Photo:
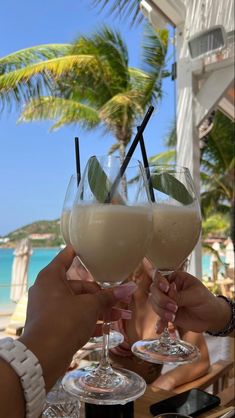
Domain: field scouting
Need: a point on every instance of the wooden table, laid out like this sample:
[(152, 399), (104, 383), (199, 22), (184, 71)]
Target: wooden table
[(142, 404)]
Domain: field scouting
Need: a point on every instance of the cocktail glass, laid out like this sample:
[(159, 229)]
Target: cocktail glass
[(110, 230), (77, 270), (176, 229)]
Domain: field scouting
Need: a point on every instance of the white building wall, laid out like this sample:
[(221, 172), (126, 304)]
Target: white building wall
[(200, 15)]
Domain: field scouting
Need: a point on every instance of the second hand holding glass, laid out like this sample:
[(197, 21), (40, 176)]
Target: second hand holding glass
[(110, 230), (176, 229)]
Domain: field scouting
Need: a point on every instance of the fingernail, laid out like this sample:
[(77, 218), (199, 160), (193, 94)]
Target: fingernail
[(172, 307), (124, 290), (169, 316), (164, 286)]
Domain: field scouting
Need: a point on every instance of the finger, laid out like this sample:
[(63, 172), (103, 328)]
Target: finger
[(119, 313), (55, 270), (160, 325), (82, 287), (161, 282), (161, 311), (64, 259), (161, 299), (172, 293), (108, 297)]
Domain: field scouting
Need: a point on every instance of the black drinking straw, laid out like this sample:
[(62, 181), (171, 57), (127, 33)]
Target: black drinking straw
[(77, 155), (146, 166), (130, 153)]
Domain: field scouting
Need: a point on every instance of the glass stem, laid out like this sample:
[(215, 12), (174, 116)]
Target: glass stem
[(104, 360), (165, 336)]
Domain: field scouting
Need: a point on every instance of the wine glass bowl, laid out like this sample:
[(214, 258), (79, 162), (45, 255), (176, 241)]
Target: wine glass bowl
[(176, 230), (67, 207), (110, 230)]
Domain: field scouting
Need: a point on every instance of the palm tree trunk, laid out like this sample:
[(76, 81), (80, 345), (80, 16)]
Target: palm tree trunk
[(122, 153)]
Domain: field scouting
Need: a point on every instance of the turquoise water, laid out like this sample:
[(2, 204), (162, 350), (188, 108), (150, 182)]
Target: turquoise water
[(39, 259)]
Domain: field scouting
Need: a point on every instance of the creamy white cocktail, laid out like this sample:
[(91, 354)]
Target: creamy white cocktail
[(64, 225), (110, 240), (176, 230)]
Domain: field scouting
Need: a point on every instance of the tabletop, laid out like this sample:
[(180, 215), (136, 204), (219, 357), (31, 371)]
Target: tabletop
[(142, 404)]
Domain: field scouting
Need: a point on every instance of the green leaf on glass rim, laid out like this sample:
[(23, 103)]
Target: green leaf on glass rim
[(99, 183), (168, 184), (98, 180)]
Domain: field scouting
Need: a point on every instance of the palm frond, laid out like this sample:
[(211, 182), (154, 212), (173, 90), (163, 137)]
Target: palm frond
[(146, 84), (154, 47), (117, 103), (114, 148), (32, 55), (165, 157), (122, 9), (25, 83), (110, 50), (63, 111)]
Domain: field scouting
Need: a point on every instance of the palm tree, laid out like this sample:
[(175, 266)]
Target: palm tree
[(88, 82), (125, 8), (218, 170), (217, 167)]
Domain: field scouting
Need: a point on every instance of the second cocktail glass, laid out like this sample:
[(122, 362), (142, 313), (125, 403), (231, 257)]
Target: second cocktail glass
[(176, 229), (110, 230)]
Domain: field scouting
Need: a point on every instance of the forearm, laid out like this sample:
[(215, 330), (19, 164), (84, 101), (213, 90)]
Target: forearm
[(54, 361), (11, 393), (181, 375)]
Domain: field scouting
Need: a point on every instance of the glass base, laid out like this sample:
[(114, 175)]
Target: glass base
[(96, 343), (91, 386), (60, 403), (157, 351)]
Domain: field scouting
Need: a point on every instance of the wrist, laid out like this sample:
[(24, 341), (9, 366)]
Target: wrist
[(11, 398), (44, 345), (225, 319), (30, 376)]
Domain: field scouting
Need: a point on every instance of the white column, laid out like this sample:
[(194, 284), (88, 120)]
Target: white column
[(188, 152)]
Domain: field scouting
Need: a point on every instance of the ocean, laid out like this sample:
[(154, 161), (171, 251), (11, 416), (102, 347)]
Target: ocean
[(38, 260)]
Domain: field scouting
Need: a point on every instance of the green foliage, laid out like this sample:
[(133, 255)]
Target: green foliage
[(216, 224), (126, 9), (218, 167), (40, 227)]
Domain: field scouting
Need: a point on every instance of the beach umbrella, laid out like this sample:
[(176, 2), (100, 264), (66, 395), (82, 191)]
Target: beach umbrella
[(229, 254), (19, 278)]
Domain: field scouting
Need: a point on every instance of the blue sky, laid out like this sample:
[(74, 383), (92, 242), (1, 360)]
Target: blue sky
[(35, 164)]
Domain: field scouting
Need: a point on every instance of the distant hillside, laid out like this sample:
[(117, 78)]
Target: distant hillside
[(41, 234)]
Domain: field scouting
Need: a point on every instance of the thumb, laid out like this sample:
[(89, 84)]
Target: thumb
[(172, 293), (109, 297)]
